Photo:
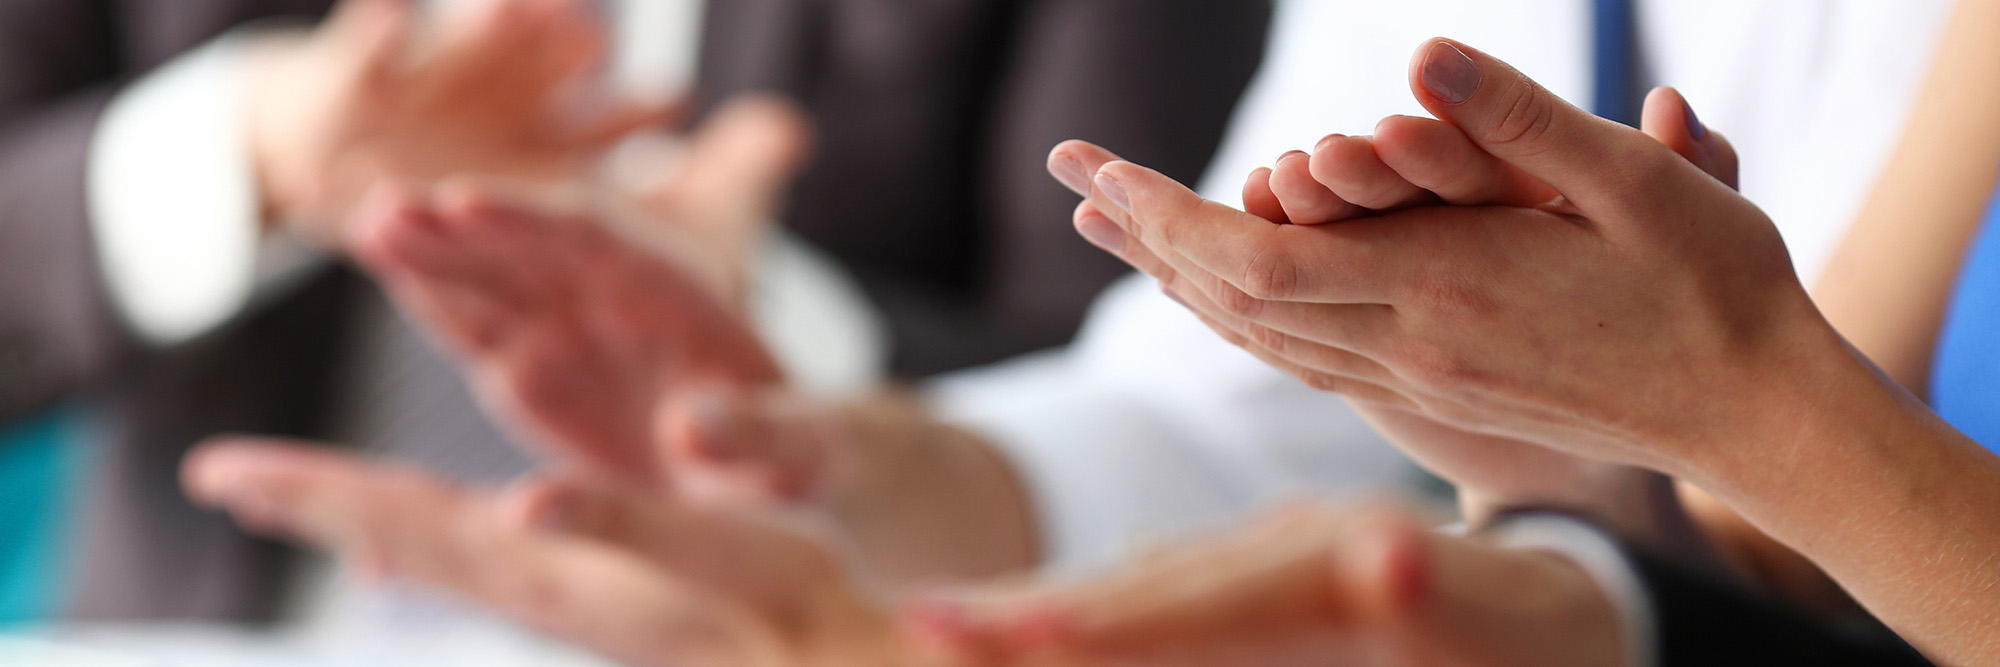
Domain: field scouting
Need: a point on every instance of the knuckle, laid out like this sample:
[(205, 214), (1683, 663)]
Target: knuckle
[(1529, 117), (1324, 382), (1445, 371), (1271, 273), (1237, 302), (1270, 339)]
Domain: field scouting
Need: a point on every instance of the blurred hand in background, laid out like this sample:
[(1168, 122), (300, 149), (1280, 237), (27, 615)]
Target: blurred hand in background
[(580, 311), (382, 92), (623, 571)]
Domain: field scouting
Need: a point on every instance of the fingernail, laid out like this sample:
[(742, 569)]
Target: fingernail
[(1103, 233), (1176, 296), (1695, 128), (939, 620), (552, 513), (1450, 74), (1114, 191), (711, 420), (1070, 173), (1328, 141)]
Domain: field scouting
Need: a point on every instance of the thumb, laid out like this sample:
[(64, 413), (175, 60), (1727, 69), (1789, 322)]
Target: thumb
[(1592, 161), (739, 162), (1671, 120), (770, 444), (378, 32)]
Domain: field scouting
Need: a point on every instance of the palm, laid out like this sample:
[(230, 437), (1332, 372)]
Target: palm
[(569, 329), (487, 90)]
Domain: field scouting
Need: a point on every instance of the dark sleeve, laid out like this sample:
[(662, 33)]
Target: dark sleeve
[(1706, 621), (57, 62), (935, 121), (1153, 81)]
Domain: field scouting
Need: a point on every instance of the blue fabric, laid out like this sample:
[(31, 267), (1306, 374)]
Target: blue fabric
[(41, 460), (1615, 51), (1965, 380)]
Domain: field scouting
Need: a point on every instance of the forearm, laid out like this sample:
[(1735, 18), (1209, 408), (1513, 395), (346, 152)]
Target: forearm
[(927, 501), (1890, 279), (1897, 507)]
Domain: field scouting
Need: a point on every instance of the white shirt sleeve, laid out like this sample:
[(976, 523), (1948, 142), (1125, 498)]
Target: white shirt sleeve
[(816, 320), (1150, 426), (1601, 558), (174, 202)]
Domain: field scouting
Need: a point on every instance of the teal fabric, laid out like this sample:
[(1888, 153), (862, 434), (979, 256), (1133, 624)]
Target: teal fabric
[(41, 463)]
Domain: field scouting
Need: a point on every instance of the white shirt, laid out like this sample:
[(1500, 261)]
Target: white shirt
[(176, 211)]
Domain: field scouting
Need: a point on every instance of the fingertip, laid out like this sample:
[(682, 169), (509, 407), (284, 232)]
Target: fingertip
[(1069, 171), (1388, 559), (538, 503), (1260, 200), (1100, 230)]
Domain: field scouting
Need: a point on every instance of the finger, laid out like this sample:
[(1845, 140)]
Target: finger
[(1305, 200), (1283, 576), (424, 529), (774, 443), (1439, 158), (1670, 119), (1357, 387), (1592, 161), (1327, 264), (1260, 201), (740, 162), (614, 125), (728, 549), (311, 493), (1351, 169), (456, 291)]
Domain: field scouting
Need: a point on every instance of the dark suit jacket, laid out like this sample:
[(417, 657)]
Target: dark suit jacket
[(1706, 621), (935, 116)]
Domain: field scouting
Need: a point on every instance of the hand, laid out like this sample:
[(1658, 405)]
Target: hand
[(923, 501), (1412, 162), (492, 88), (628, 573), (1305, 587), (1605, 325), (576, 334)]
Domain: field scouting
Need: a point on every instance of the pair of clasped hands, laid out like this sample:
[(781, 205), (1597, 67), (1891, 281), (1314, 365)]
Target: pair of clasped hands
[(1532, 301)]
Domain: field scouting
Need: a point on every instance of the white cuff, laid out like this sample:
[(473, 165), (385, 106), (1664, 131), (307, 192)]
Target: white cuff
[(815, 319), (1106, 475), (1601, 558), (173, 198)]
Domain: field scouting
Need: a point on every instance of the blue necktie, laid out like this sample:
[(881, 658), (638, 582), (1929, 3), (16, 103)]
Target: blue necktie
[(1615, 52)]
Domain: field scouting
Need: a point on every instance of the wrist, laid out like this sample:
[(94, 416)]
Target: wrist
[(274, 154), (1637, 504), (927, 500)]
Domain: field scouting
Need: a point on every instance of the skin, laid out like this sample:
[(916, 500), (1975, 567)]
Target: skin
[(1416, 162), (1659, 307), (381, 92), (1889, 281), (1306, 586), (655, 579), (625, 361), (633, 574), (1888, 284)]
